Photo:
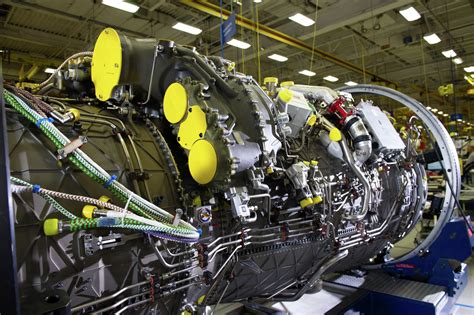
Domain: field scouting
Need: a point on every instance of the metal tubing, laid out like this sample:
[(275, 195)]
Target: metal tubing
[(367, 191)]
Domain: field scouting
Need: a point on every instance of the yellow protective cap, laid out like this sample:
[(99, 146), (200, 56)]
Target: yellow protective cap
[(335, 135), (201, 299), (270, 80), (306, 202), (51, 227), (317, 199), (75, 113), (306, 163), (314, 162), (231, 66), (193, 127), (106, 63), (312, 120), (88, 211), (104, 198), (270, 170), (175, 102), (287, 83), (202, 161), (285, 95)]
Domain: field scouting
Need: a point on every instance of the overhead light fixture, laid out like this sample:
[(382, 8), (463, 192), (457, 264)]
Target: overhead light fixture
[(238, 43), (257, 1), (458, 60), (459, 120), (49, 70), (446, 115), (434, 110), (432, 39), (350, 83), (277, 57), (469, 69), (187, 28), (121, 5), (410, 14), (449, 53), (301, 19), (307, 73), (330, 78), (440, 112)]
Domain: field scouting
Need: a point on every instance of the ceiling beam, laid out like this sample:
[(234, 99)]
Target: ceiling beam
[(214, 10)]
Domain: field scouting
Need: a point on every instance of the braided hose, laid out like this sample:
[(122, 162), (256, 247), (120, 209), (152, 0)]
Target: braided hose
[(80, 54), (89, 167)]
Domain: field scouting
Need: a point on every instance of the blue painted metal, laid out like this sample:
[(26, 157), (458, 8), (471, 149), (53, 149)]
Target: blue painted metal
[(439, 264), (228, 28), (374, 303)]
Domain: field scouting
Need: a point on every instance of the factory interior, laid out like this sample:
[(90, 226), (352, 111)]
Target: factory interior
[(202, 157)]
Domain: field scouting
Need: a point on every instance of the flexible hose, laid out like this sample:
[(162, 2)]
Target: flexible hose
[(89, 167), (79, 54)]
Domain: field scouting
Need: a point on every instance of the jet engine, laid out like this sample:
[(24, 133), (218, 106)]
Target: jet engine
[(184, 184)]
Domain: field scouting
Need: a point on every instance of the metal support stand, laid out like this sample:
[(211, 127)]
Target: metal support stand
[(428, 283)]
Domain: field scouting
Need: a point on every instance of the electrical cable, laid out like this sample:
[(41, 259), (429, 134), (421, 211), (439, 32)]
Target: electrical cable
[(90, 168), (80, 54)]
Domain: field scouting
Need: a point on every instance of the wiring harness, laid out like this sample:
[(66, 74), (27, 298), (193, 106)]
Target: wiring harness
[(158, 221)]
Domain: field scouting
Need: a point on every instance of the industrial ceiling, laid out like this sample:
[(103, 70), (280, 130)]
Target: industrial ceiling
[(361, 41)]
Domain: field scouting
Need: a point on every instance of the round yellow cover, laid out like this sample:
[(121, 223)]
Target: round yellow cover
[(202, 161), (193, 127), (270, 80), (88, 211), (51, 227), (285, 95), (335, 135), (106, 63), (175, 102)]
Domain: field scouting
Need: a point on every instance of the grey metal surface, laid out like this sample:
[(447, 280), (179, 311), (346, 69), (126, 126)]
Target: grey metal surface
[(447, 149), (382, 283)]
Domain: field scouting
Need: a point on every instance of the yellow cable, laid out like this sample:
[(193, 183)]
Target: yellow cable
[(314, 39), (258, 45), (242, 38), (424, 74)]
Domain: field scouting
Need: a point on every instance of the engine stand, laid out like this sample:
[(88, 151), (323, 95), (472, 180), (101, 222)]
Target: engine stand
[(429, 283)]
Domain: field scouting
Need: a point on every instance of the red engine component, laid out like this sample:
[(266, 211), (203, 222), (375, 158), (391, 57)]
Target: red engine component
[(337, 107)]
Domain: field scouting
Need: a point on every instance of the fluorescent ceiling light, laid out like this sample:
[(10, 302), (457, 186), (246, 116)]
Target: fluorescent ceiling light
[(449, 53), (302, 19), (307, 73), (410, 14), (434, 110), (440, 112), (49, 70), (277, 57), (428, 108), (350, 83), (330, 78), (238, 43), (121, 5), (459, 119), (458, 60), (432, 39), (257, 1), (469, 69), (187, 28), (446, 115)]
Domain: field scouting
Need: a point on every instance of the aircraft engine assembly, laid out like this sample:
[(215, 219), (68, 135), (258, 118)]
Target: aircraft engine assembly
[(164, 180)]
